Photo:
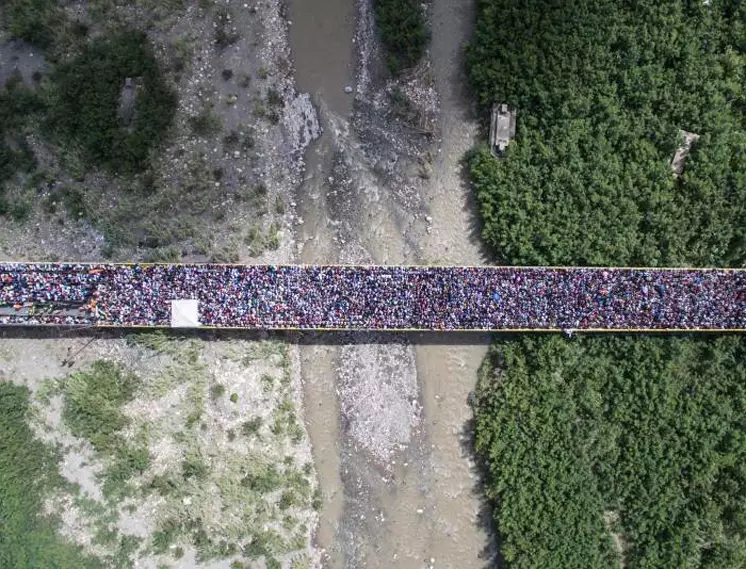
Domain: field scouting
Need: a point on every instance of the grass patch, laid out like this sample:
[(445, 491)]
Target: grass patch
[(264, 349), (92, 410), (194, 466), (157, 341), (92, 403), (28, 472)]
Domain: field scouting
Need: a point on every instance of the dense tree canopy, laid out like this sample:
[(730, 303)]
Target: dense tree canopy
[(601, 449), (88, 90), (403, 32), (650, 432), (602, 88)]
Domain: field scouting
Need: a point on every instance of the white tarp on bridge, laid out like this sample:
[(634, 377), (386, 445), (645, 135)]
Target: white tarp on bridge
[(185, 313)]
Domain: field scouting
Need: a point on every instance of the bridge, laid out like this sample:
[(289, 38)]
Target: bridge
[(372, 297)]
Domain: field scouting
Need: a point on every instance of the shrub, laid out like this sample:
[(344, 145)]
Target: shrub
[(163, 538), (17, 105), (217, 390), (273, 238), (194, 466), (20, 210), (264, 481), (288, 499), (401, 26), (207, 122), (274, 99), (251, 428), (74, 201), (88, 92), (225, 33), (234, 397), (34, 21)]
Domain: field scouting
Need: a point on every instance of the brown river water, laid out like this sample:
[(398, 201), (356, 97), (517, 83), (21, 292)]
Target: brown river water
[(426, 509)]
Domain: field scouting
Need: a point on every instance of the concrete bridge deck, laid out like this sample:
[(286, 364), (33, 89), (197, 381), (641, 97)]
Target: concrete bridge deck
[(357, 297)]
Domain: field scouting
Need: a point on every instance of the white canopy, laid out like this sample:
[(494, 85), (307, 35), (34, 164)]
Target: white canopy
[(185, 313)]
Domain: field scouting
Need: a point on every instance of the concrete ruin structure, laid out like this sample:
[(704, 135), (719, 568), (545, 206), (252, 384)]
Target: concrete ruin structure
[(502, 128), (677, 163), (127, 96)]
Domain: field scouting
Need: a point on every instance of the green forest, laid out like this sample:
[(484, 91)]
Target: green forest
[(641, 437), (602, 88), (607, 450)]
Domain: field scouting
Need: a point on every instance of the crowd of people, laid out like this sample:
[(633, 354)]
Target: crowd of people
[(375, 297)]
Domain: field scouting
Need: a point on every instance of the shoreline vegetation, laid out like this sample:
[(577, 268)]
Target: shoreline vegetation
[(402, 29), (626, 451)]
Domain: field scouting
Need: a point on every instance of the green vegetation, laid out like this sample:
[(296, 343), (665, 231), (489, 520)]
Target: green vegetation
[(17, 105), (92, 403), (217, 391), (28, 472), (649, 429), (92, 411), (206, 123), (601, 90), (88, 96), (628, 450), (225, 33), (401, 25), (35, 21)]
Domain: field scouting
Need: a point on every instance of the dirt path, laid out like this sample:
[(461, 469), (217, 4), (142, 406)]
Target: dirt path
[(399, 487)]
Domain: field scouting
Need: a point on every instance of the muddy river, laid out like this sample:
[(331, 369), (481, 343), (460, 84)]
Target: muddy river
[(398, 479)]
